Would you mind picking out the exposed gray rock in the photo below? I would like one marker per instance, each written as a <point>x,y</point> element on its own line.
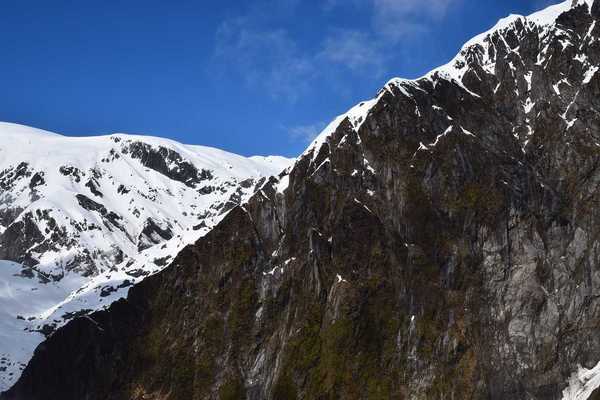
<point>443,244</point>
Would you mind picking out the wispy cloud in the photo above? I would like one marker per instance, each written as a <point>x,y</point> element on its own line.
<point>329,5</point>
<point>257,48</point>
<point>402,8</point>
<point>396,19</point>
<point>356,50</point>
<point>393,20</point>
<point>265,59</point>
<point>306,133</point>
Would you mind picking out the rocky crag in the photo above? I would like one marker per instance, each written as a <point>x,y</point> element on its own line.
<point>86,218</point>
<point>438,242</point>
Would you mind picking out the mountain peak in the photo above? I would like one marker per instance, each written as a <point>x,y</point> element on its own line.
<point>100,212</point>
<point>481,50</point>
<point>445,233</point>
<point>10,128</point>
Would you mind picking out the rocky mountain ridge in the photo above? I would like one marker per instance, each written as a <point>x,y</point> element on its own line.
<point>85,218</point>
<point>439,241</point>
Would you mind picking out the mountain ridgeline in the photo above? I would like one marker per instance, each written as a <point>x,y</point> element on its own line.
<point>438,242</point>
<point>83,219</point>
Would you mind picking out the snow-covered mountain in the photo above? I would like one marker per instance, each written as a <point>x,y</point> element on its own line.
<point>82,219</point>
<point>440,241</point>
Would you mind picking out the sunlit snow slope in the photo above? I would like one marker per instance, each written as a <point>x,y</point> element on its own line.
<point>82,219</point>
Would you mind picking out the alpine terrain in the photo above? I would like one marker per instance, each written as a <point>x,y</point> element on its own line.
<point>83,219</point>
<point>441,241</point>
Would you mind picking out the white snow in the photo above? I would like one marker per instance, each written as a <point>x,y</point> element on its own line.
<point>364,206</point>
<point>455,69</point>
<point>271,272</point>
<point>582,384</point>
<point>289,260</point>
<point>148,194</point>
<point>548,15</point>
<point>45,149</point>
<point>166,201</point>
<point>283,184</point>
<point>368,166</point>
<point>356,115</point>
<point>528,77</point>
<point>582,58</point>
<point>22,298</point>
<point>441,135</point>
<point>571,123</point>
<point>589,74</point>
<point>528,106</point>
<point>468,133</point>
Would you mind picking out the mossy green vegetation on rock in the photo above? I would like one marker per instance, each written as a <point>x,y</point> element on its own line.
<point>444,247</point>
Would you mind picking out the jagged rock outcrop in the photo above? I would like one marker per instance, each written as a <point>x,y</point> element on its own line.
<point>87,217</point>
<point>128,183</point>
<point>438,242</point>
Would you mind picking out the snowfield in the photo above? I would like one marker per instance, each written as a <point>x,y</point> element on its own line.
<point>83,219</point>
<point>137,212</point>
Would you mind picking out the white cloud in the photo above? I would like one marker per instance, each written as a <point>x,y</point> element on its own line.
<point>433,8</point>
<point>394,19</point>
<point>306,133</point>
<point>356,50</point>
<point>266,59</point>
<point>329,5</point>
<point>257,48</point>
<point>272,60</point>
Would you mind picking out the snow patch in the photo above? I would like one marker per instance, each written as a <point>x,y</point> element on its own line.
<point>356,115</point>
<point>589,74</point>
<point>455,69</point>
<point>283,184</point>
<point>85,180</point>
<point>582,384</point>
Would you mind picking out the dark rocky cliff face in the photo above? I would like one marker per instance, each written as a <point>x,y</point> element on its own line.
<point>85,218</point>
<point>446,247</point>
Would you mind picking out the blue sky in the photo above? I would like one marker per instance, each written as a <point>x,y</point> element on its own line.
<point>252,77</point>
